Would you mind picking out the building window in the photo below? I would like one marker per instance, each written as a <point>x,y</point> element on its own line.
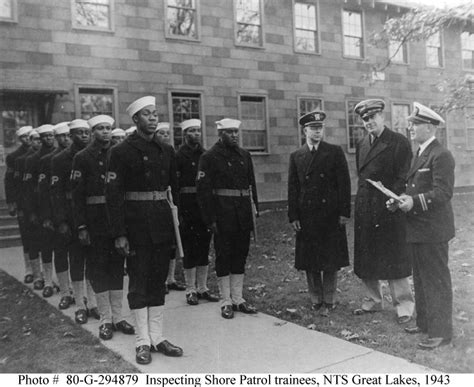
<point>470,127</point>
<point>355,127</point>
<point>306,105</point>
<point>248,15</point>
<point>353,39</point>
<point>185,106</point>
<point>93,14</point>
<point>12,119</point>
<point>254,123</point>
<point>434,52</point>
<point>441,128</point>
<point>8,10</point>
<point>306,27</point>
<point>92,101</point>
<point>400,113</point>
<point>182,19</point>
<point>398,53</point>
<point>467,46</point>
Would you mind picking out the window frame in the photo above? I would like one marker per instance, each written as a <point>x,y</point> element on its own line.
<point>362,27</point>
<point>199,92</point>
<point>318,29</point>
<point>264,96</point>
<point>406,62</point>
<point>392,116</point>
<point>111,28</point>
<point>462,50</point>
<point>434,107</point>
<point>197,24</point>
<point>441,42</point>
<point>14,17</point>
<point>299,98</point>
<point>351,150</point>
<point>262,30</point>
<point>112,88</point>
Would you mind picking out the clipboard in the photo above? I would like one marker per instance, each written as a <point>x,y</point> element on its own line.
<point>384,190</point>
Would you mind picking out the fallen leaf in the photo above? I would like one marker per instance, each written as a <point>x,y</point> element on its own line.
<point>279,323</point>
<point>5,318</point>
<point>376,321</point>
<point>312,327</point>
<point>102,360</point>
<point>465,265</point>
<point>291,310</point>
<point>3,361</point>
<point>68,334</point>
<point>260,267</point>
<point>462,316</point>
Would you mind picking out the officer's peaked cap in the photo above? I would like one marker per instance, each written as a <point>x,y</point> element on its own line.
<point>424,115</point>
<point>314,118</point>
<point>369,107</point>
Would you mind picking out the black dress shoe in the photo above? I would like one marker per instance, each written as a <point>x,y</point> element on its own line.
<point>38,284</point>
<point>143,355</point>
<point>244,307</point>
<point>227,311</point>
<point>48,291</point>
<point>414,330</point>
<point>207,296</point>
<point>28,279</point>
<point>433,342</point>
<point>192,298</point>
<point>80,316</point>
<point>93,312</point>
<point>105,331</point>
<point>65,302</point>
<point>176,286</point>
<point>168,349</point>
<point>124,327</point>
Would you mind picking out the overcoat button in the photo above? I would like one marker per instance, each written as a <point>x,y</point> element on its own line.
<point>322,175</point>
<point>145,158</point>
<point>101,163</point>
<point>324,200</point>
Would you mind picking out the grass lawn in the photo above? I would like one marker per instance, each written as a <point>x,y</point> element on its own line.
<point>35,337</point>
<point>276,288</point>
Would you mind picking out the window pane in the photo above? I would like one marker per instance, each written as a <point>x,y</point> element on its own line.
<point>356,129</point>
<point>11,121</point>
<point>182,3</point>
<point>254,126</point>
<point>248,11</point>
<point>400,113</point>
<point>93,13</point>
<point>94,103</point>
<point>467,44</point>
<point>6,9</point>
<point>181,22</point>
<point>185,107</point>
<point>352,22</point>
<point>248,34</point>
<point>399,56</point>
<point>352,47</point>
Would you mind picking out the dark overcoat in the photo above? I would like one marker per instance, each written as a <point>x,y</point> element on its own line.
<point>44,180</point>
<point>380,245</point>
<point>138,165</point>
<point>187,159</point>
<point>319,192</point>
<point>18,191</point>
<point>430,183</point>
<point>10,191</point>
<point>224,167</point>
<point>89,168</point>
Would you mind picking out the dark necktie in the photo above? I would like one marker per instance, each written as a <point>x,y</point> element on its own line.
<point>372,139</point>
<point>313,150</point>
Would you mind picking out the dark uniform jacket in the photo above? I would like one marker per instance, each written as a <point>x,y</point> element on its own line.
<point>380,246</point>
<point>89,169</point>
<point>319,192</point>
<point>228,168</point>
<point>44,180</point>
<point>60,189</point>
<point>187,160</point>
<point>430,183</point>
<point>19,192</point>
<point>30,179</point>
<point>10,189</point>
<point>138,165</point>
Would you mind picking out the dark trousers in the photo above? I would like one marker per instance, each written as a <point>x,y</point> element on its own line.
<point>23,231</point>
<point>433,291</point>
<point>78,260</point>
<point>105,266</point>
<point>196,249</point>
<point>232,249</point>
<point>147,268</point>
<point>61,250</point>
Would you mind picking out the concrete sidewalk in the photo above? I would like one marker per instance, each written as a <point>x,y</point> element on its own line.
<point>246,344</point>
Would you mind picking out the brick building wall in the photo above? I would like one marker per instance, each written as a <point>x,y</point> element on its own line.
<point>42,50</point>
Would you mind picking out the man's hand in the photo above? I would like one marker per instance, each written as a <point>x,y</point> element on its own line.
<point>392,205</point>
<point>343,220</point>
<point>121,244</point>
<point>212,228</point>
<point>296,225</point>
<point>84,237</point>
<point>47,223</point>
<point>406,203</point>
<point>12,209</point>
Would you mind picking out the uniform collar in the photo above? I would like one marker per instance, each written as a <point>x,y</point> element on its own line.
<point>425,144</point>
<point>311,146</point>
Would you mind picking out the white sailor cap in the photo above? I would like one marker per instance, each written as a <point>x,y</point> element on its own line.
<point>424,115</point>
<point>131,130</point>
<point>139,104</point>
<point>24,130</point>
<point>163,125</point>
<point>228,123</point>
<point>47,128</point>
<point>190,123</point>
<point>61,128</point>
<point>33,133</point>
<point>101,119</point>
<point>79,124</point>
<point>118,132</point>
